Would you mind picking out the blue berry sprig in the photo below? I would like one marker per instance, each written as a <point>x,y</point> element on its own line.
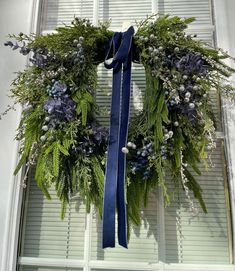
<point>79,56</point>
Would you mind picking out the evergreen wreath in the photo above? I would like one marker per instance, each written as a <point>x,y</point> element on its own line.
<point>62,138</point>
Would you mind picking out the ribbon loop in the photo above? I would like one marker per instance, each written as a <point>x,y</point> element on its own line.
<point>114,192</point>
<point>120,55</point>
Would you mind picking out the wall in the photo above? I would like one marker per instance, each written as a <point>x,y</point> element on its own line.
<point>15,16</point>
<point>231,21</point>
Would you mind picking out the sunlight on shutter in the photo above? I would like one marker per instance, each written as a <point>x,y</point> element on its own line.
<point>143,245</point>
<point>45,235</point>
<point>121,10</point>
<point>200,9</point>
<point>59,12</point>
<point>103,92</point>
<point>204,238</point>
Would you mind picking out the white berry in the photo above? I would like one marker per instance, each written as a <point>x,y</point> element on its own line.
<point>181,88</point>
<point>45,128</point>
<point>156,51</point>
<point>133,146</point>
<point>177,49</point>
<point>43,138</point>
<point>125,150</point>
<point>129,144</point>
<point>187,94</point>
<point>166,136</point>
<point>191,105</point>
<point>176,123</point>
<point>47,119</point>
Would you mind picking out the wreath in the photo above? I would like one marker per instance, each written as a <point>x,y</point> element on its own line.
<point>59,132</point>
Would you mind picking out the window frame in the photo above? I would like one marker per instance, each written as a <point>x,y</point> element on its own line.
<point>13,221</point>
<point>224,41</point>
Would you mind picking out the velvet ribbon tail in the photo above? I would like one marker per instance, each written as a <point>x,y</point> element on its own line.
<point>120,48</point>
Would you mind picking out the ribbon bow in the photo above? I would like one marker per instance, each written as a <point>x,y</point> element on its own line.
<point>114,193</point>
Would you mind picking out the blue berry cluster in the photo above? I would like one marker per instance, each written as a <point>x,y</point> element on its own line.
<point>140,160</point>
<point>78,56</point>
<point>184,102</point>
<point>166,150</point>
<point>188,67</point>
<point>185,99</point>
<point>58,89</point>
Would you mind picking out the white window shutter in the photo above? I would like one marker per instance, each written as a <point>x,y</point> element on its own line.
<point>203,239</point>
<point>119,11</point>
<point>59,12</point>
<point>200,9</point>
<point>44,234</point>
<point>143,246</point>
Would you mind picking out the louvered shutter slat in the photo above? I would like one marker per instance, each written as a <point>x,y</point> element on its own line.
<point>143,246</point>
<point>204,238</point>
<point>59,12</point>
<point>45,234</point>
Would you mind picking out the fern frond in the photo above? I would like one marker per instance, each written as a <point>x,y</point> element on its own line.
<point>56,160</point>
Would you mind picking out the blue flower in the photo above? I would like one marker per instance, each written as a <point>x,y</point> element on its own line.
<point>100,134</point>
<point>24,50</point>
<point>191,63</point>
<point>60,109</point>
<point>94,141</point>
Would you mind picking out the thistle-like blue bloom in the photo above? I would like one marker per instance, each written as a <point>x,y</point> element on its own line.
<point>100,135</point>
<point>24,50</point>
<point>39,60</point>
<point>57,89</point>
<point>95,141</point>
<point>60,109</point>
<point>191,63</point>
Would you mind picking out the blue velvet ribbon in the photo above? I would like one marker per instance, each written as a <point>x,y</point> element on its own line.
<point>120,48</point>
